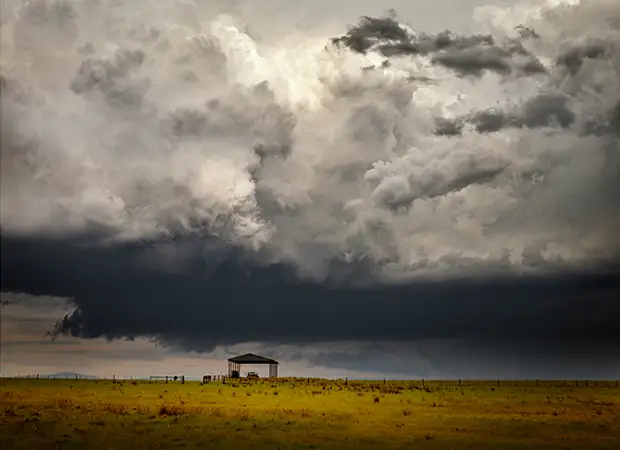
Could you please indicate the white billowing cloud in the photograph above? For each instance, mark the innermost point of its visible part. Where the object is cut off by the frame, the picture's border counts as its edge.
(153, 121)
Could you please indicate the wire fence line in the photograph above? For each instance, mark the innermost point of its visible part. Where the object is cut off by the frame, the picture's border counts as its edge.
(152, 379)
(578, 383)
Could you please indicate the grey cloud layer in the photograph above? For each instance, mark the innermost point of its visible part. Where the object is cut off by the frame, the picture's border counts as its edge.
(176, 155)
(236, 301)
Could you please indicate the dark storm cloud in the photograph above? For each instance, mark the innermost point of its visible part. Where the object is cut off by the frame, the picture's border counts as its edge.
(474, 359)
(467, 55)
(476, 54)
(573, 56)
(236, 300)
(541, 111)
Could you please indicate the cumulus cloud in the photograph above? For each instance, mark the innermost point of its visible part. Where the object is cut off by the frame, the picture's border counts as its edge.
(191, 143)
(161, 130)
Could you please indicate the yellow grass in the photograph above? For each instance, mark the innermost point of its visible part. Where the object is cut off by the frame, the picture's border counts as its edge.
(302, 414)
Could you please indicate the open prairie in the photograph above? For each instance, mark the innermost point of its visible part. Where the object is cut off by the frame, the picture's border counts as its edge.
(304, 414)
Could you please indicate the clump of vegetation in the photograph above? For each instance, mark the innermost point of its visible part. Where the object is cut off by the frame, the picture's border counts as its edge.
(167, 410)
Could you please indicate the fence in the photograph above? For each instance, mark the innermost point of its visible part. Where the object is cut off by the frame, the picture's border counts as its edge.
(114, 378)
(522, 383)
(371, 383)
(167, 378)
(49, 377)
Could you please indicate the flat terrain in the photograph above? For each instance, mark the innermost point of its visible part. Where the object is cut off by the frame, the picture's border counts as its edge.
(305, 414)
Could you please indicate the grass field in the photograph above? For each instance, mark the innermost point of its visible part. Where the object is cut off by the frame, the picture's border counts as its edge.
(305, 414)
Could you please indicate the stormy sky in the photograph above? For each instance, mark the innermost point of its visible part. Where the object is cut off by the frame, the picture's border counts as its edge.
(427, 191)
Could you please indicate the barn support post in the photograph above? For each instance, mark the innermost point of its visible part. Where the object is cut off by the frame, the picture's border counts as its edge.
(273, 371)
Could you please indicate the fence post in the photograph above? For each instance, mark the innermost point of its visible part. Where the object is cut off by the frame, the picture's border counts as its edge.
(498, 382)
(182, 379)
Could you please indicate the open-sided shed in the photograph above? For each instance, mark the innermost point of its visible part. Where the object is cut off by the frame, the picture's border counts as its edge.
(234, 364)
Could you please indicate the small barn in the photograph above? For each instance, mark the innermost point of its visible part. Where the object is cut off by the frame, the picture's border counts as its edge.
(234, 364)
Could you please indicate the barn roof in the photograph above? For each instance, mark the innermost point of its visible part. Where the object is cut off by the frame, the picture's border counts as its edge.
(251, 358)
